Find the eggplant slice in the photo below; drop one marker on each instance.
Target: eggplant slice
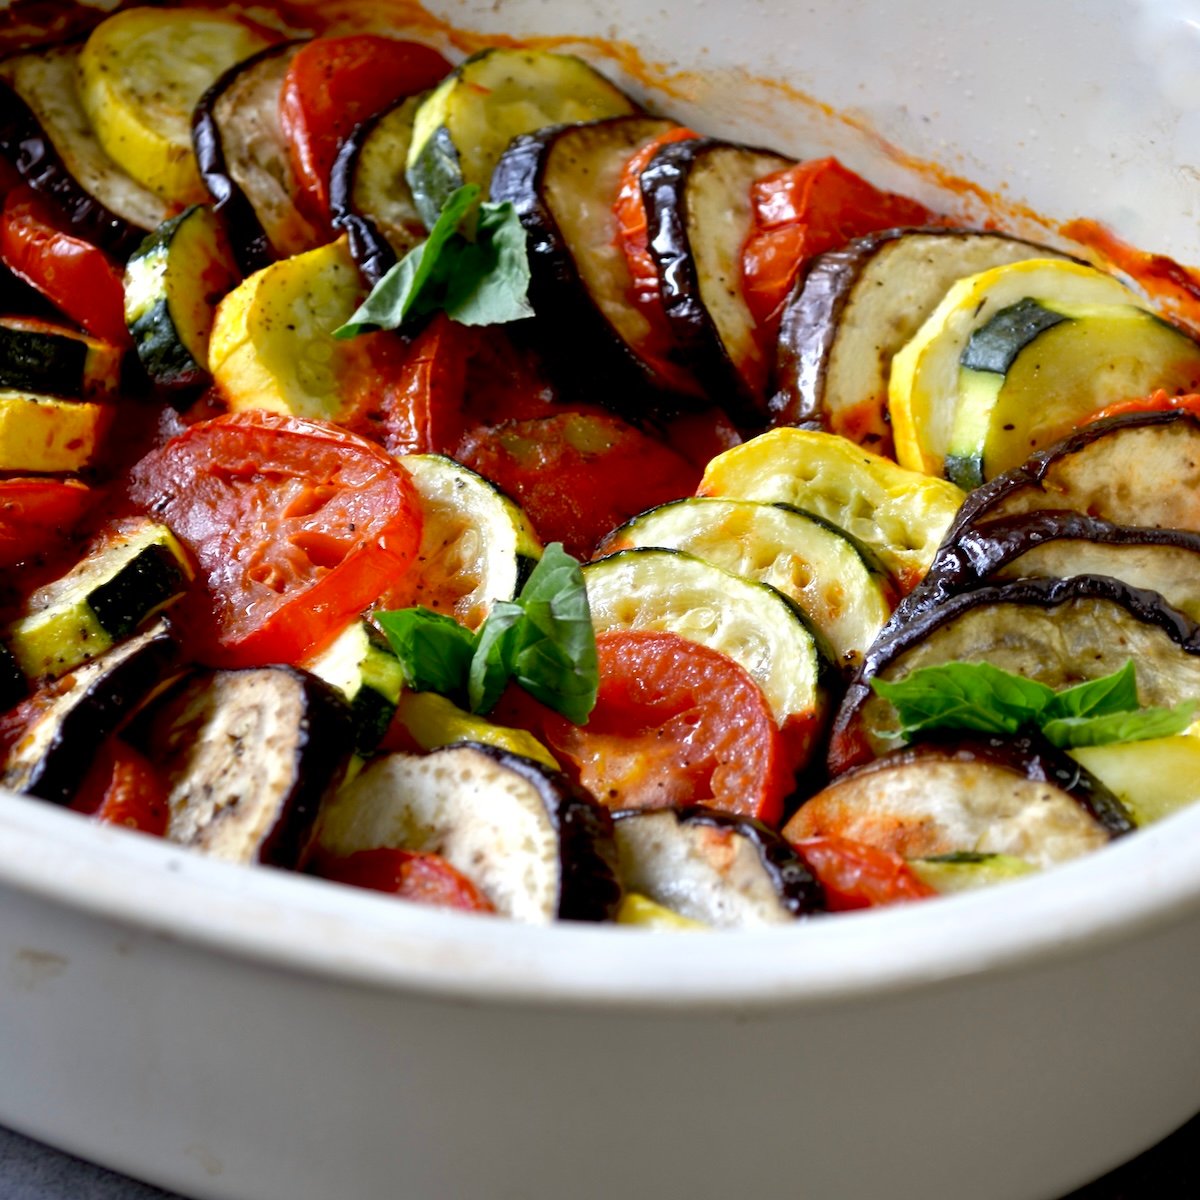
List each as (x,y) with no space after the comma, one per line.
(855,308)
(243,159)
(1057,631)
(699,215)
(1137,469)
(46,135)
(725,871)
(535,844)
(563,183)
(249,755)
(369,194)
(1009,796)
(53,757)
(1055,545)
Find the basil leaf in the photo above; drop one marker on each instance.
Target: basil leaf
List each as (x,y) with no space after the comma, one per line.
(484,281)
(976,696)
(491,665)
(1115,693)
(1068,732)
(490,284)
(434,650)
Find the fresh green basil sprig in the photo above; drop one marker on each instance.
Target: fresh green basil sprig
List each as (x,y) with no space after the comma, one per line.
(986,699)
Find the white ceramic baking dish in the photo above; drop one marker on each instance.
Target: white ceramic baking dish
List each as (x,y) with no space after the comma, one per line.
(248,1035)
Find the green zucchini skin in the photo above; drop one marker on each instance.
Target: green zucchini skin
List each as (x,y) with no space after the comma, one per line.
(184,255)
(50,360)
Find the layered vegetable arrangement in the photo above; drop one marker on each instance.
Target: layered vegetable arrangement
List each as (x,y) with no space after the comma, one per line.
(463,483)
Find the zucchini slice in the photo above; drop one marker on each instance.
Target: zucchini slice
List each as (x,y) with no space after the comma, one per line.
(172,285)
(838,584)
(46,434)
(722,871)
(249,756)
(141,73)
(1055,545)
(272,344)
(53,756)
(131,574)
(46,135)
(361,665)
(463,126)
(855,308)
(1037,370)
(759,628)
(537,846)
(1153,778)
(1011,797)
(477,546)
(52,360)
(1057,631)
(923,386)
(1140,468)
(699,216)
(563,183)
(900,515)
(966,870)
(369,195)
(242,156)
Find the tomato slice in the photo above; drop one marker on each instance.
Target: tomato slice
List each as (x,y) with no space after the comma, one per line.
(855,875)
(331,85)
(1157,401)
(422,878)
(633,240)
(37,515)
(124,788)
(79,279)
(803,211)
(675,723)
(578,474)
(296,525)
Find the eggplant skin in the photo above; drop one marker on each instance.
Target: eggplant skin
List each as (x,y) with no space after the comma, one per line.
(251,246)
(102,694)
(26,145)
(915,624)
(589,888)
(368,247)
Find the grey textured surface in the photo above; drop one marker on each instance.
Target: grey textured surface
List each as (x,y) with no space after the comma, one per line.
(31,1171)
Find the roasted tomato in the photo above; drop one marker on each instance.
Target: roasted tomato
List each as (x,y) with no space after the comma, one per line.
(675,724)
(422,878)
(296,527)
(334,83)
(123,788)
(855,875)
(37,514)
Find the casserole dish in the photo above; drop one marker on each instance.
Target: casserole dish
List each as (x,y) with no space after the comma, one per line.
(247,1034)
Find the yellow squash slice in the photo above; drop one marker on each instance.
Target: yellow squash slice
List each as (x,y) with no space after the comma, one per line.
(41,433)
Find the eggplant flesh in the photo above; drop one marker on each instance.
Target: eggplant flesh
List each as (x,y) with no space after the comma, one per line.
(699,217)
(1000,796)
(1057,631)
(243,159)
(537,846)
(53,758)
(1052,544)
(724,871)
(1137,469)
(855,308)
(248,756)
(46,135)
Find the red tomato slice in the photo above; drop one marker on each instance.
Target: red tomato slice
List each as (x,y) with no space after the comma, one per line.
(124,788)
(37,515)
(578,475)
(1158,401)
(855,875)
(422,878)
(76,277)
(331,85)
(296,526)
(675,723)
(629,208)
(803,211)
